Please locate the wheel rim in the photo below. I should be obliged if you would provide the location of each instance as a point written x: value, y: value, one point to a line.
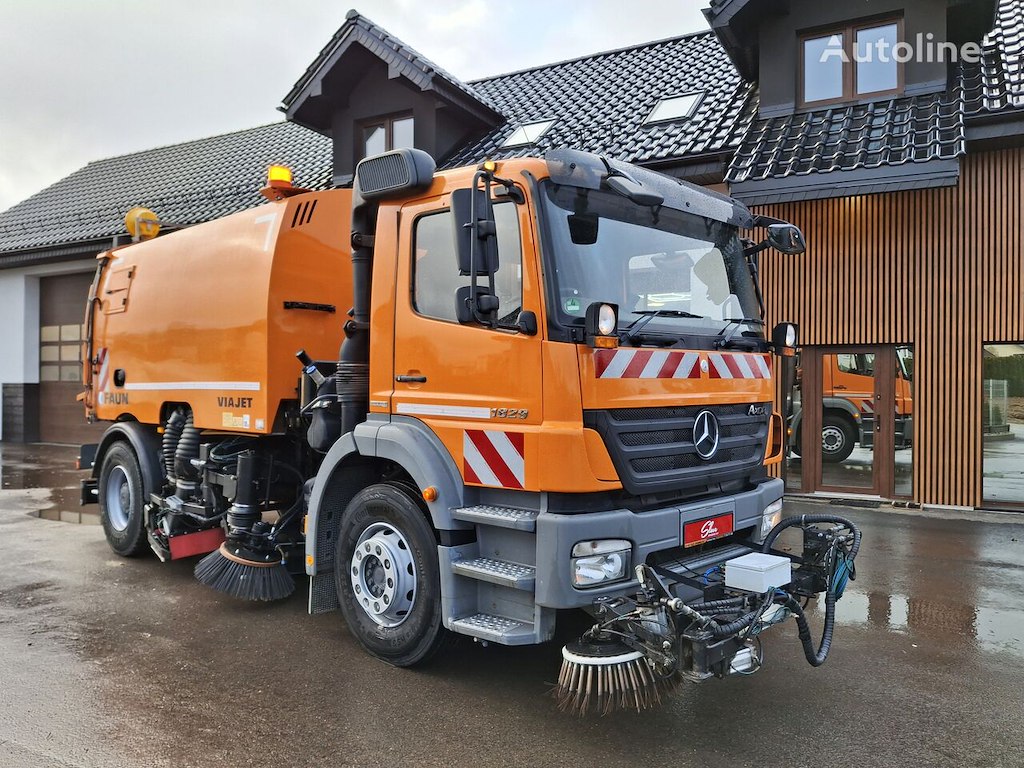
x: 118, y: 498
x: 832, y: 439
x: 383, y: 575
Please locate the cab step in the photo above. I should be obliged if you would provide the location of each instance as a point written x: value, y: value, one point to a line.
x: 496, y: 629
x: 499, y: 572
x: 499, y: 517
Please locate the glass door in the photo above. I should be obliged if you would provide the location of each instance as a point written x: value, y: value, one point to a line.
x: 844, y: 433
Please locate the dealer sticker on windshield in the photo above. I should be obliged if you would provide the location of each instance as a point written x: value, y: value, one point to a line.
x: 700, y: 531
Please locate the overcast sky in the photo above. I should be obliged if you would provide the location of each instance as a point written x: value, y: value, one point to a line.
x: 82, y: 80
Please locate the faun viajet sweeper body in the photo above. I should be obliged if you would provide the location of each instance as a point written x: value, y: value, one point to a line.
x: 524, y: 387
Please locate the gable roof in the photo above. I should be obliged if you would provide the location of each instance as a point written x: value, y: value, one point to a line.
x: 599, y: 103
x: 183, y: 183
x: 400, y: 58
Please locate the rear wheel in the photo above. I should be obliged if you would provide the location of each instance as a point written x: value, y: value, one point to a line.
x: 838, y: 438
x: 386, y: 576
x: 121, y: 501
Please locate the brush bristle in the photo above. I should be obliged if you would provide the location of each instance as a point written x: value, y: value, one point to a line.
x: 604, y: 684
x: 247, y: 582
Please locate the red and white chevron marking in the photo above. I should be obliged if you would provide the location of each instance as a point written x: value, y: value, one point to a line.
x: 104, y: 374
x: 494, y: 458
x: 739, y: 366
x: 646, y: 364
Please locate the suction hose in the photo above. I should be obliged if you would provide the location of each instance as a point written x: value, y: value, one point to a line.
x: 169, y: 444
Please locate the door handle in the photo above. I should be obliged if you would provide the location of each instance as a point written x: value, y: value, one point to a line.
x: 407, y: 379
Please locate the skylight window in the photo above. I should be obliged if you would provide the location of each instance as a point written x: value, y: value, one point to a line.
x: 528, y: 133
x: 674, y: 108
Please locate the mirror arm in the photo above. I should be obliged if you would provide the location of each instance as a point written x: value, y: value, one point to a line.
x: 474, y: 246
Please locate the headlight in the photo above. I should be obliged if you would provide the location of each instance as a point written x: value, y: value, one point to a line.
x: 770, y: 517
x: 600, y: 562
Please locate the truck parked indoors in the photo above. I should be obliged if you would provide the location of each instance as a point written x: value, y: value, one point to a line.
x: 553, y: 392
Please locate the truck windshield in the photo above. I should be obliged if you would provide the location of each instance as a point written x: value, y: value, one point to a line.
x: 685, y: 273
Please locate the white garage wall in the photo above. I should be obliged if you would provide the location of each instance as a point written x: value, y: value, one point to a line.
x: 19, y: 319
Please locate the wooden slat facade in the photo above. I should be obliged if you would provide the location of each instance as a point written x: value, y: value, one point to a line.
x: 939, y: 269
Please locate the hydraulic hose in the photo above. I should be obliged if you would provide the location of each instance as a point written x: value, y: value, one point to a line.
x: 789, y: 522
x: 814, y: 657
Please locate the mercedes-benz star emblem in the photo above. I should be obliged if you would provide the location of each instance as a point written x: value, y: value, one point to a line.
x: 705, y: 434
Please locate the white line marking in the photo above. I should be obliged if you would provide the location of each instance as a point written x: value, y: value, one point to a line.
x: 657, y: 360
x: 723, y: 370
x: 686, y: 366
x: 620, y: 360
x: 460, y: 411
x: 743, y: 362
x: 268, y: 219
x: 763, y: 366
x: 246, y: 386
x: 476, y: 462
x: 509, y: 454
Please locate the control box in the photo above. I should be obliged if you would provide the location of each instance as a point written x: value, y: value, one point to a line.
x: 757, y: 572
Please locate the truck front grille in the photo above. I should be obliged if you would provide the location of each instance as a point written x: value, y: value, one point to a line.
x: 654, y: 452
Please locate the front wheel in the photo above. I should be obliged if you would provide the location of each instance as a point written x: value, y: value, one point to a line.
x: 121, y: 500
x: 838, y: 438
x: 386, y: 576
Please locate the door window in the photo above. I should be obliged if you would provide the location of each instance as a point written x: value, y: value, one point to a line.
x: 435, y: 273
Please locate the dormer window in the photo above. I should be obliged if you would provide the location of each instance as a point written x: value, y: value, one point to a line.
x: 528, y: 133
x: 856, y: 61
x: 385, y: 134
x: 674, y: 108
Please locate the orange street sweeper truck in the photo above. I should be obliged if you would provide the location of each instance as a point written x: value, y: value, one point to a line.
x: 529, y: 386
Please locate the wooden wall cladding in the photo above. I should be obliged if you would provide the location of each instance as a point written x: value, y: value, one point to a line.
x: 940, y: 269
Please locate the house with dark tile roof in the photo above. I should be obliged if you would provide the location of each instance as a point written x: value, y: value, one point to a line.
x: 905, y: 172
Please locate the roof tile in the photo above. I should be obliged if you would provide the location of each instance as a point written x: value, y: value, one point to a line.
x: 183, y: 183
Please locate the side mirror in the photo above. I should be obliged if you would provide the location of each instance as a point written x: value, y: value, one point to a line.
x: 484, y: 302
x: 475, y: 230
x: 583, y: 228
x: 786, y: 238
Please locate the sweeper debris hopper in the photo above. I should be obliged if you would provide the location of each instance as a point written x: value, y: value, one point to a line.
x: 691, y: 626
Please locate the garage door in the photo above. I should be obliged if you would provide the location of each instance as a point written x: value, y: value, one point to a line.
x: 61, y: 309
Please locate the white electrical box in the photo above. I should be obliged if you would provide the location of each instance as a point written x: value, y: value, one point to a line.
x: 757, y: 572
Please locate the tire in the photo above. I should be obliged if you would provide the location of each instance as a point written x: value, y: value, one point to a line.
x: 121, y: 499
x: 386, y: 576
x: 838, y: 438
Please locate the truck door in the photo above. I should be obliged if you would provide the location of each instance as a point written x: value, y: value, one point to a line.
x: 477, y: 388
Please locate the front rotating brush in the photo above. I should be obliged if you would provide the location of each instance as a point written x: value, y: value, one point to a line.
x: 608, y: 676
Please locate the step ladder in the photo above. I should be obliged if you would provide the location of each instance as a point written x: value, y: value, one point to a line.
x: 488, y: 587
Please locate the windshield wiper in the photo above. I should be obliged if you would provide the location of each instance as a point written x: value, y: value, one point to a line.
x: 648, y: 315
x: 739, y: 322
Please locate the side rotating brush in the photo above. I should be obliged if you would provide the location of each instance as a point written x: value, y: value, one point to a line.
x: 247, y: 565
x: 608, y: 676
x: 238, y: 576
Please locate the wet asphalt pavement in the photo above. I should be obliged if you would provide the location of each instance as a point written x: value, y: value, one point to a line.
x: 113, y: 662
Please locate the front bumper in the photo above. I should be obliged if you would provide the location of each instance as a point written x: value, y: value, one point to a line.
x: 649, y: 532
